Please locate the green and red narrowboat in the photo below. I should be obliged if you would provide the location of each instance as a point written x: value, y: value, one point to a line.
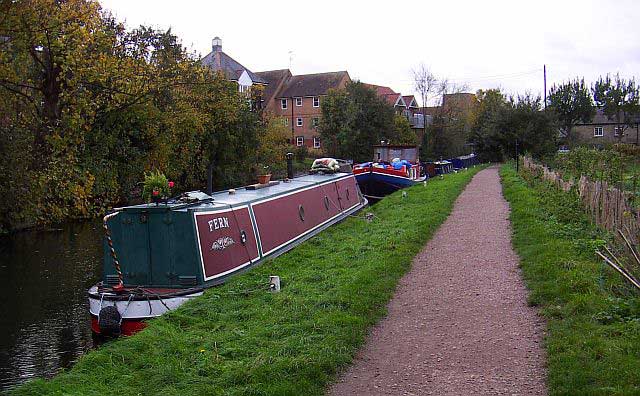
x: 157, y: 256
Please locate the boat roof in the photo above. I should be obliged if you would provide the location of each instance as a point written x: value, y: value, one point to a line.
x: 239, y: 196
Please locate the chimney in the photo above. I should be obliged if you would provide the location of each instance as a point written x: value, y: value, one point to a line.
x: 216, y: 44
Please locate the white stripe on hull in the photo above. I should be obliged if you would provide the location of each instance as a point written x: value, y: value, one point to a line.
x: 141, y: 309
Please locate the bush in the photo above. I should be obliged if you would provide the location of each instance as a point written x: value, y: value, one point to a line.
x: 301, y: 153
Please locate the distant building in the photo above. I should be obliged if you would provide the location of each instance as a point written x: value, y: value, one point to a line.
x: 404, y: 105
x: 218, y: 60
x: 297, y: 100
x: 601, y: 131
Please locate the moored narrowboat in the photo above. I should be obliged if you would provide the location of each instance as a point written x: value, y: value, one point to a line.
x: 394, y: 167
x: 464, y: 161
x: 157, y: 256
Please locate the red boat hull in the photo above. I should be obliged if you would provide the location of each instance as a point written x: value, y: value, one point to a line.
x: 128, y: 327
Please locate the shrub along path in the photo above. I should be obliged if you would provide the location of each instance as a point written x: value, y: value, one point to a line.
x: 459, y: 322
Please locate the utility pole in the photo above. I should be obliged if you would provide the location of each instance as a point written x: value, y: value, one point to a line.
x: 544, y: 71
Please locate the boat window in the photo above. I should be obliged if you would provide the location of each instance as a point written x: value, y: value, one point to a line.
x: 326, y: 202
x: 347, y: 192
x: 301, y: 212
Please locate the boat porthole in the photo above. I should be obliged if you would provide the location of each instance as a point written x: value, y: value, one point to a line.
x: 143, y: 218
x: 301, y: 212
x: 243, y: 237
x: 326, y: 202
x: 347, y: 192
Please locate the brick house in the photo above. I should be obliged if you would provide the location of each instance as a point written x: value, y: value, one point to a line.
x: 217, y: 60
x: 602, y: 131
x: 297, y: 100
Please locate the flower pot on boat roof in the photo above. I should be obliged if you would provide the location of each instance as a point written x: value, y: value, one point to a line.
x: 264, y: 176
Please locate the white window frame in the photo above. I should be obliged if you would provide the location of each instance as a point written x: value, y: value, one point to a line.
x: 617, y: 130
x: 316, y: 101
x: 283, y: 104
x: 316, y: 142
x: 598, y: 131
x: 299, y: 141
x: 285, y: 121
x: 315, y: 122
x: 299, y: 122
x: 298, y: 101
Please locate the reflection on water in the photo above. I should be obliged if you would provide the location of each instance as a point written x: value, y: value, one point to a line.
x: 44, y: 320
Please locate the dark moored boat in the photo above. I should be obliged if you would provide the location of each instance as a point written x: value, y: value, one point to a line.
x: 465, y: 161
x: 168, y: 253
x: 394, y: 167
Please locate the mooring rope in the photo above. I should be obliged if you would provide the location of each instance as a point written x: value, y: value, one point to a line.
x: 107, y: 232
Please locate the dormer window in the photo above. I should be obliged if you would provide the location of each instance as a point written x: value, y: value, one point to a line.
x: 298, y: 102
x: 283, y: 104
x: 316, y: 101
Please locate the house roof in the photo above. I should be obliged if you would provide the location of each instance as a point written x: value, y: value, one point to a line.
x: 410, y: 100
x: 217, y: 60
x: 601, y: 119
x: 381, y: 90
x: 312, y: 84
x: 273, y: 78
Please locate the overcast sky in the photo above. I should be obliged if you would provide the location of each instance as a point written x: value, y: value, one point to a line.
x: 483, y: 44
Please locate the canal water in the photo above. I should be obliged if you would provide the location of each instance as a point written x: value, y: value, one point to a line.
x: 44, y: 320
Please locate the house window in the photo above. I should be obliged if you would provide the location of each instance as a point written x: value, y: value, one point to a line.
x: 315, y: 121
x: 299, y: 121
x: 298, y: 102
x: 283, y: 104
x: 285, y: 121
x: 316, y: 101
x: 299, y: 141
x: 617, y: 131
x: 316, y: 142
x: 598, y: 132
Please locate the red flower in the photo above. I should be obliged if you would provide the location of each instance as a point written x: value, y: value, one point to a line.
x: 156, y: 193
x: 171, y: 184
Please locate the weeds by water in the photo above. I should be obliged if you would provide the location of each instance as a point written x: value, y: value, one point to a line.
x: 239, y: 339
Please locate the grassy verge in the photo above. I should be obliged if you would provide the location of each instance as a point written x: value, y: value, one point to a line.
x: 239, y: 339
x: 593, y: 318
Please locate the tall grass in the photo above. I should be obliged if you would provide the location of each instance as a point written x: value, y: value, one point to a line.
x: 593, y: 317
x: 239, y: 339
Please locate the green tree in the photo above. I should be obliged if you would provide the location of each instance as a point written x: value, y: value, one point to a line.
x: 353, y: 120
x: 571, y: 102
x: 500, y: 122
x: 619, y: 99
x: 403, y: 132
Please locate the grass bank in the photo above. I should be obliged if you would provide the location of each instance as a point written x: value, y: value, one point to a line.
x: 593, y: 317
x: 239, y: 339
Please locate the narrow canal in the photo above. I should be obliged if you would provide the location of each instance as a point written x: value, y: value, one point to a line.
x: 44, y: 322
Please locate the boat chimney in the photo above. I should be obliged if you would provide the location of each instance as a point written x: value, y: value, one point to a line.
x: 289, y: 165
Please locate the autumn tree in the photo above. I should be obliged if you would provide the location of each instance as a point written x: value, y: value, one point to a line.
x: 88, y: 106
x: 571, y: 102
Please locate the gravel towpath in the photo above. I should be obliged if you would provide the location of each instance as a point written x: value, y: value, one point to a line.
x: 458, y: 323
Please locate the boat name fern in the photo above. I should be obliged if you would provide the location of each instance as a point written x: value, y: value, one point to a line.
x: 218, y: 223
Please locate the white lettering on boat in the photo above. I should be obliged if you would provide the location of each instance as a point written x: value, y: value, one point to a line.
x: 222, y: 243
x: 218, y: 223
